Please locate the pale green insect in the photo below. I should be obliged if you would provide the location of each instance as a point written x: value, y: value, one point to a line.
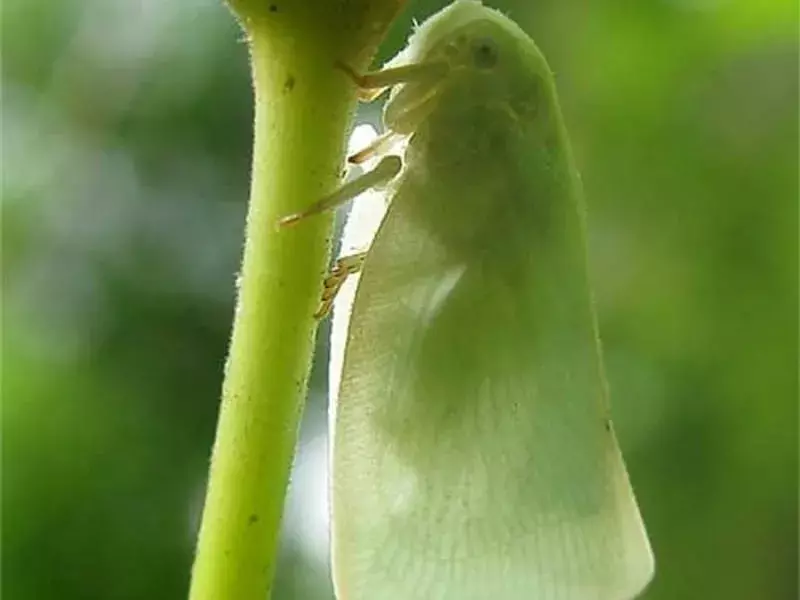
x: 473, y: 456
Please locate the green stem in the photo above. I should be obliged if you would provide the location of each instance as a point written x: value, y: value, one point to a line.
x: 303, y: 108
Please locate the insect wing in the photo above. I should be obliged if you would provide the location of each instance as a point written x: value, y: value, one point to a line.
x: 472, y: 456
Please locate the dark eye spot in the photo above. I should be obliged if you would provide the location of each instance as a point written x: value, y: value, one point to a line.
x: 484, y: 53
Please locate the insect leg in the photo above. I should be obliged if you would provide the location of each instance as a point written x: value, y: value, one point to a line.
x: 342, y: 269
x: 374, y: 83
x: 375, y: 148
x: 382, y: 173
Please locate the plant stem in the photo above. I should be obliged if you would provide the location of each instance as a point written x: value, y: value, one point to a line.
x: 303, y: 107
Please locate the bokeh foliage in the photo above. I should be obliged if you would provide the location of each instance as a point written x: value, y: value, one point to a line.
x: 126, y: 149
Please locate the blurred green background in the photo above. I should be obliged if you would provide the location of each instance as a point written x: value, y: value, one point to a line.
x: 126, y: 149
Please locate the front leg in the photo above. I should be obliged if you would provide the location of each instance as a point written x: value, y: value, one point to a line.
x: 374, y: 83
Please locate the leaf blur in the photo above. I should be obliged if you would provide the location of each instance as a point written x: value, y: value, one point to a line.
x: 126, y: 141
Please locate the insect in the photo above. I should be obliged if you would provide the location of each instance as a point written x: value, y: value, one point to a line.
x: 473, y: 455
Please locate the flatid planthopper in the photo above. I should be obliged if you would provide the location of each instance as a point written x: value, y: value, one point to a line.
x: 473, y: 456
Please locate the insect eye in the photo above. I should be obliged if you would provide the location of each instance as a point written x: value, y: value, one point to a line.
x: 484, y: 53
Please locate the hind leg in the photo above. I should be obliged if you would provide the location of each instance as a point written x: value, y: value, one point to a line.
x: 342, y: 269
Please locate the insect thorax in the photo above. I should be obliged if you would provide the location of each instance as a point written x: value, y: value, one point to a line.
x: 483, y: 182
